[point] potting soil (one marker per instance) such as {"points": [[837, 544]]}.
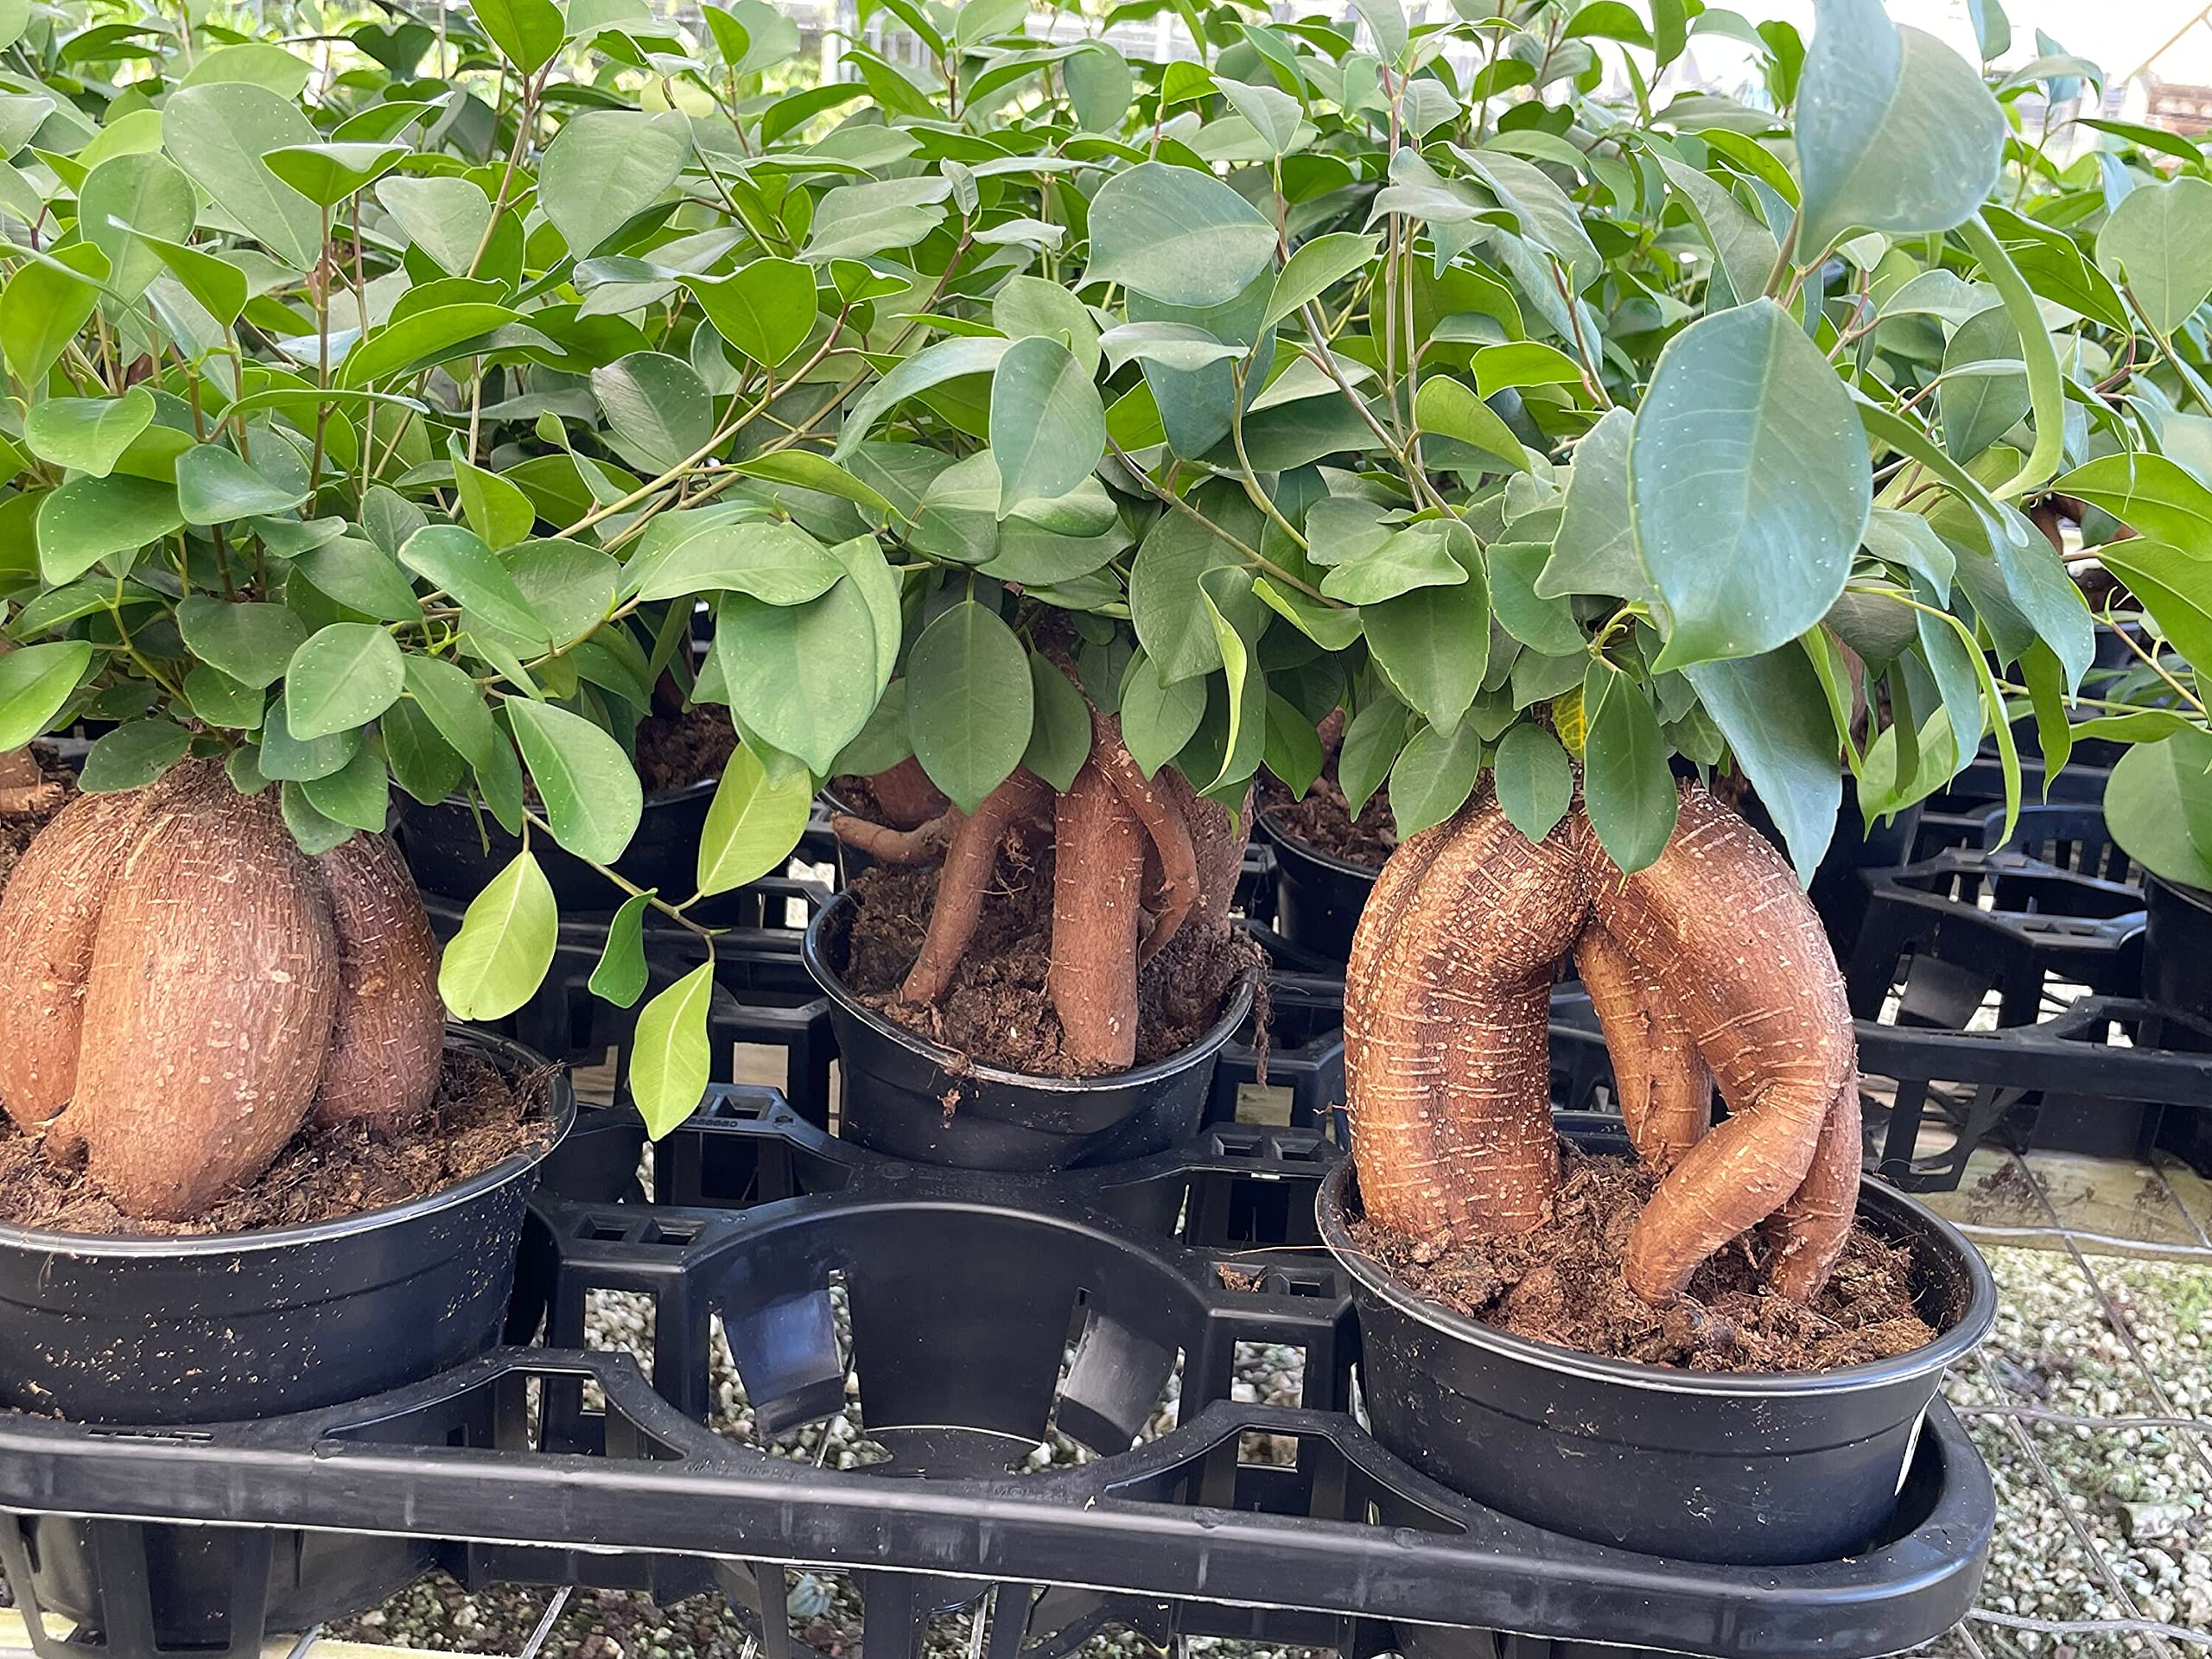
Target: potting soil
{"points": [[996, 1011], [1562, 1284], [1323, 820], [478, 1119]]}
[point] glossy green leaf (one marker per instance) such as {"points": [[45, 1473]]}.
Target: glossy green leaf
{"points": [[219, 135], [1179, 235], [213, 486], [621, 975], [44, 305], [1775, 715], [1059, 728], [342, 677], [657, 411], [970, 701], [669, 1057], [2158, 806], [131, 756], [1048, 428], [1535, 779], [36, 683], [765, 308], [605, 166], [527, 31], [2158, 247], [752, 824], [457, 561], [592, 795], [497, 961], [1433, 776], [249, 642], [803, 678], [1627, 788], [87, 435], [89, 519]]}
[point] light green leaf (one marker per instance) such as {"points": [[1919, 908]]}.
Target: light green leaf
{"points": [[1448, 409], [89, 519], [1059, 728], [495, 507], [1433, 776], [2157, 245], [35, 682], [219, 135], [1177, 234], [1775, 715], [445, 693], [43, 306], [970, 700], [1595, 550], [2158, 806], [1373, 738], [256, 63], [527, 31], [709, 550], [605, 166], [1434, 644], [1748, 485], [326, 173], [669, 1057], [2174, 586], [126, 200], [803, 678], [1048, 428], [358, 796], [1158, 719], [2153, 494], [752, 823], [1315, 269], [457, 561], [947, 359], [497, 961], [1896, 133], [446, 218], [592, 795], [87, 435]]}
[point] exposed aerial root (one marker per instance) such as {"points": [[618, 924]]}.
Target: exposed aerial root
{"points": [[1708, 967], [968, 862], [887, 845], [905, 796], [1097, 891]]}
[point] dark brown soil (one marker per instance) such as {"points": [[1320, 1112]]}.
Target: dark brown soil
{"points": [[675, 751], [18, 829], [855, 795], [1562, 1284], [996, 1011], [478, 1119], [1323, 820]]}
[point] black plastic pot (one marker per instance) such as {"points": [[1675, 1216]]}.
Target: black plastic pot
{"points": [[454, 854], [1319, 896], [223, 1327], [2177, 945], [1744, 1470], [915, 1099]]}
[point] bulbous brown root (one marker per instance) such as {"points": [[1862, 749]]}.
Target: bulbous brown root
{"points": [[179, 987], [23, 785], [1710, 963], [1139, 859]]}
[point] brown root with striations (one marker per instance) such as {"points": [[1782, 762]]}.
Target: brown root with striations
{"points": [[1708, 967], [1139, 860], [181, 986]]}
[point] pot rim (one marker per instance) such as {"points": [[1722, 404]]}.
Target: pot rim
{"points": [[508, 1055], [815, 956], [1264, 819], [1949, 1346], [2196, 898]]}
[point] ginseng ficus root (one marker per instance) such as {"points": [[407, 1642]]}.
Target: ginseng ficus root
{"points": [[180, 988], [1708, 968], [1138, 860]]}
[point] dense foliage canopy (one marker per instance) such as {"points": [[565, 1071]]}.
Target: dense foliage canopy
{"points": [[383, 405]]}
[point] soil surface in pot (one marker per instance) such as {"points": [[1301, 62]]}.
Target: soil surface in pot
{"points": [[675, 751], [19, 830], [1562, 1284], [996, 1011], [1323, 820], [479, 1118]]}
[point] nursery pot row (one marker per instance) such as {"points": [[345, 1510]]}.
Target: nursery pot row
{"points": [[1745, 1469], [454, 849]]}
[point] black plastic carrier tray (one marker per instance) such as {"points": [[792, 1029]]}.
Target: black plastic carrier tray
{"points": [[976, 1310]]}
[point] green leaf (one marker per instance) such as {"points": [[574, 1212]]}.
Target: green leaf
{"points": [[357, 796], [221, 701], [752, 823], [219, 135], [947, 359], [1158, 719], [87, 435], [1030, 305], [1048, 428], [803, 678], [495, 507], [421, 338], [132, 756], [1449, 409], [592, 795], [1979, 407], [1293, 751], [1627, 788], [621, 974], [1417, 556], [1595, 550], [2157, 245], [255, 63], [1896, 133], [1059, 729], [446, 693], [35, 684], [1744, 248], [457, 561], [1100, 85], [970, 700], [1178, 557], [326, 173], [285, 758], [527, 31], [2158, 804], [89, 519], [1245, 740], [1748, 485], [716, 550], [1535, 779], [358, 576], [1434, 644], [669, 1058], [1177, 234], [2174, 586], [344, 676], [213, 486], [423, 762], [127, 200], [1315, 269], [606, 166], [1774, 715], [43, 306], [250, 643], [1373, 738], [313, 831], [657, 409], [1523, 362], [217, 285], [2153, 494], [766, 308], [446, 218], [497, 961], [1434, 775]]}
